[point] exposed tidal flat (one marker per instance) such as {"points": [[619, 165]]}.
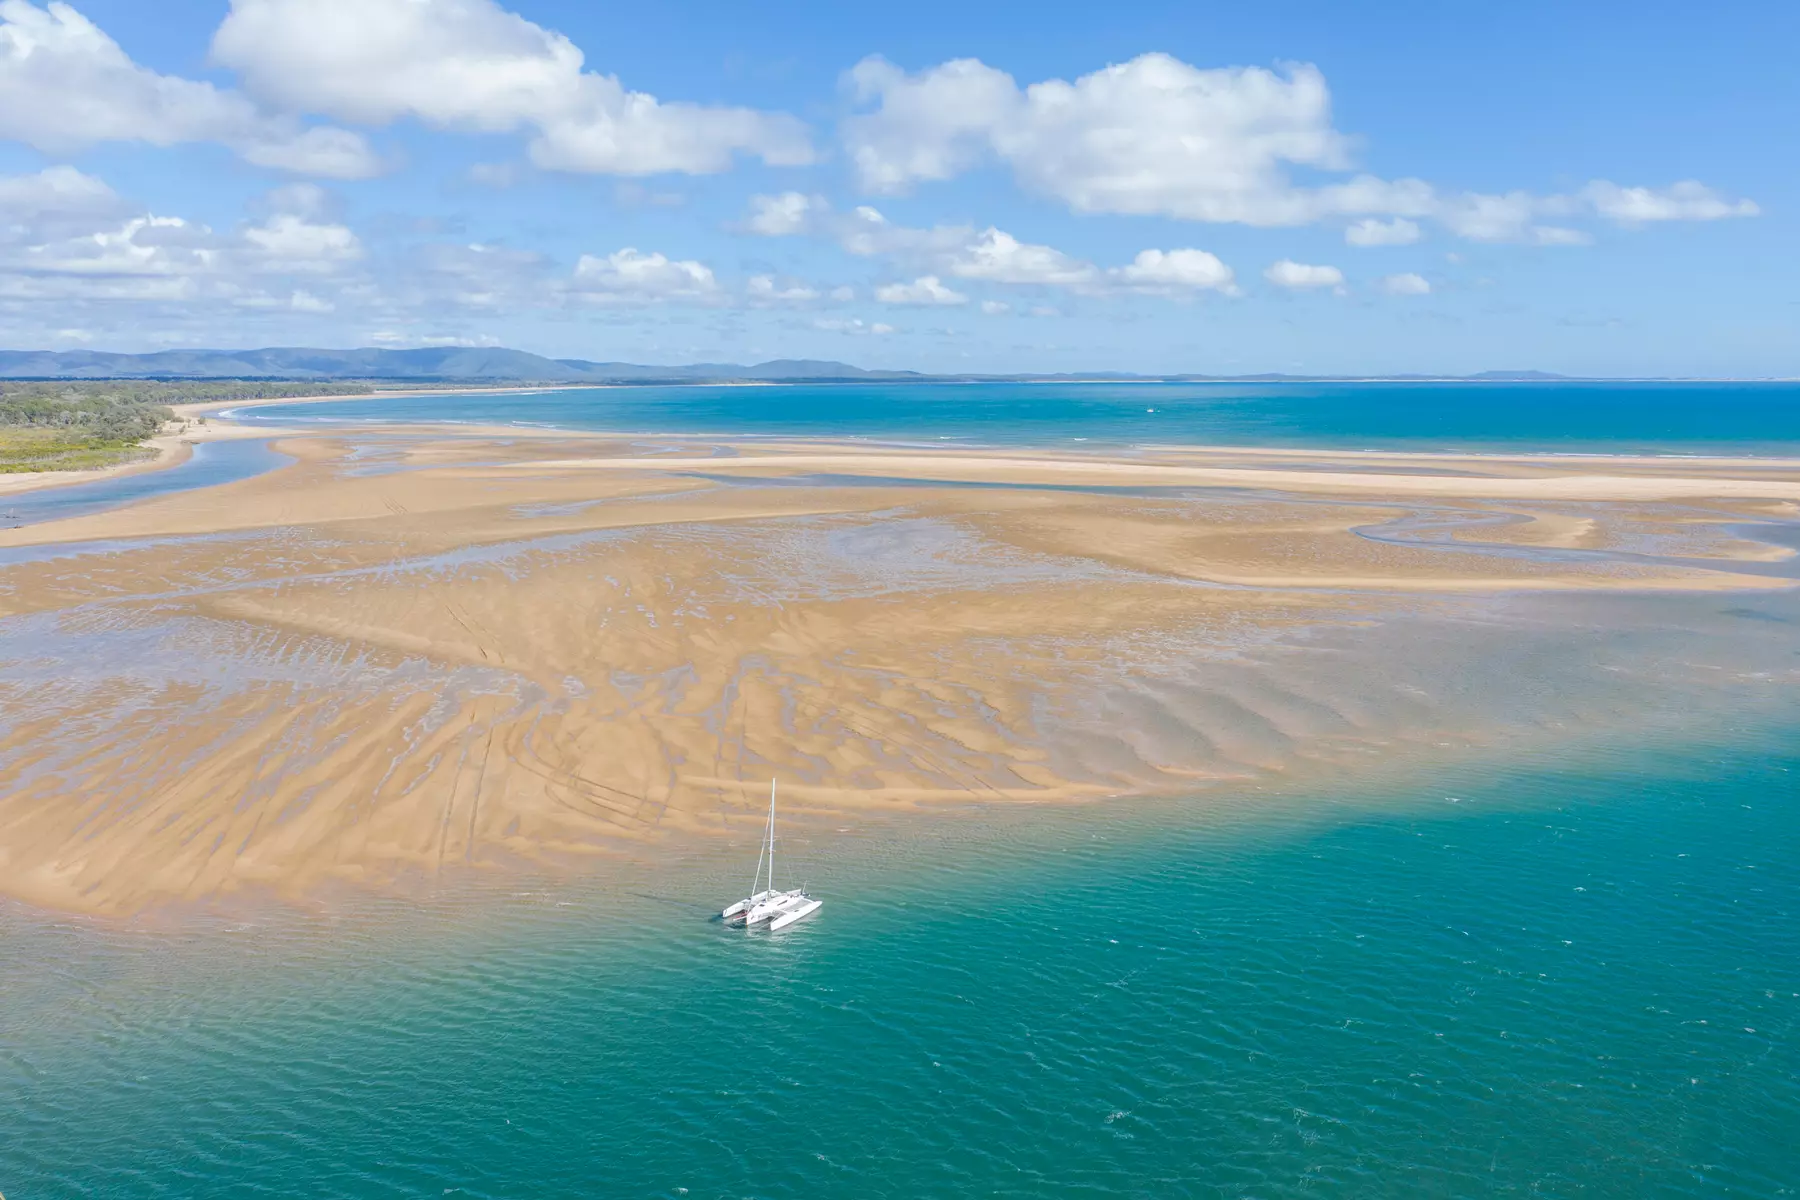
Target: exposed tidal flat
{"points": [[1213, 821]]}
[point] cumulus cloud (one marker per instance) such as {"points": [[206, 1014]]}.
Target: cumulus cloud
{"points": [[473, 65], [306, 302], [1176, 270], [630, 275], [1371, 232], [851, 325], [1158, 136], [867, 233], [1153, 135], [784, 215], [998, 257], [141, 246], [1289, 274], [96, 249], [55, 194], [1406, 284], [764, 290], [925, 290], [1688, 200], [65, 85], [292, 242], [991, 255], [995, 308]]}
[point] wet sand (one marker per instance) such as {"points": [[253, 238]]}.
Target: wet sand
{"points": [[423, 651]]}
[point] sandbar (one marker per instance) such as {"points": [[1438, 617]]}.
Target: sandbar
{"points": [[422, 650]]}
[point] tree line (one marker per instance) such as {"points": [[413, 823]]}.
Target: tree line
{"points": [[60, 423]]}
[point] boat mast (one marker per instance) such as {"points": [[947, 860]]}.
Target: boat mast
{"points": [[771, 835]]}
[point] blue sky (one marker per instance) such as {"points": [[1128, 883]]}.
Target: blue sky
{"points": [[1595, 189]]}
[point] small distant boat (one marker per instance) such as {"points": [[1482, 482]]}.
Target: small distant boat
{"points": [[769, 904]]}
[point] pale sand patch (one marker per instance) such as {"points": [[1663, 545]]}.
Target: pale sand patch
{"points": [[1044, 470], [486, 654]]}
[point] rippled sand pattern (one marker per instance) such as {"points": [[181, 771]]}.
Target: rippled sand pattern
{"points": [[492, 651]]}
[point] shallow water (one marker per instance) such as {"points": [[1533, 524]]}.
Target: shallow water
{"points": [[1736, 418], [1575, 972], [1564, 981], [211, 463]]}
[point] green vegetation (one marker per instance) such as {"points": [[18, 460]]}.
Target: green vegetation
{"points": [[72, 425]]}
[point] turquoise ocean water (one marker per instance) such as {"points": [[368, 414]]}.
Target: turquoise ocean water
{"points": [[1605, 417], [1573, 970], [1548, 981]]}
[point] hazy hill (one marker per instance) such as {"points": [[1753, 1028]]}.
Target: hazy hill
{"points": [[460, 365], [450, 363]]}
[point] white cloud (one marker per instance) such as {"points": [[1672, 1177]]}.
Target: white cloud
{"points": [[995, 308], [762, 289], [141, 246], [1289, 274], [998, 257], [1157, 136], [291, 242], [1176, 270], [1153, 135], [991, 255], [1406, 284], [55, 193], [1556, 235], [866, 233], [1488, 218], [851, 325], [472, 65], [1688, 200], [1371, 232], [461, 341], [784, 215], [147, 259], [65, 85], [306, 302], [925, 290], [630, 275]]}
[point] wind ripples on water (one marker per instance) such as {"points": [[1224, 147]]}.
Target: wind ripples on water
{"points": [[1564, 983]]}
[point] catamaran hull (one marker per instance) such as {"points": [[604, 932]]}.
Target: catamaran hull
{"points": [[774, 907], [788, 918], [743, 907]]}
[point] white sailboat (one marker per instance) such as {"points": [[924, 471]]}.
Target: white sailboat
{"points": [[779, 908]]}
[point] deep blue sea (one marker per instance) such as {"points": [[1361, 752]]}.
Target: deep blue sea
{"points": [[1692, 418], [1575, 980]]}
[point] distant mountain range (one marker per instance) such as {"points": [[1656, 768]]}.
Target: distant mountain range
{"points": [[460, 365]]}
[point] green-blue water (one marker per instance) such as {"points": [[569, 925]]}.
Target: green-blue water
{"points": [[1574, 975], [1574, 981], [1608, 417]]}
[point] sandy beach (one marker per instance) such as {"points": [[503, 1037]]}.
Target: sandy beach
{"points": [[424, 650]]}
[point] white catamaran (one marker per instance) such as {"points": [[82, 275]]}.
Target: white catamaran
{"points": [[780, 909]]}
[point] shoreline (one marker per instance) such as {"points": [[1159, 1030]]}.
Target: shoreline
{"points": [[172, 449]]}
